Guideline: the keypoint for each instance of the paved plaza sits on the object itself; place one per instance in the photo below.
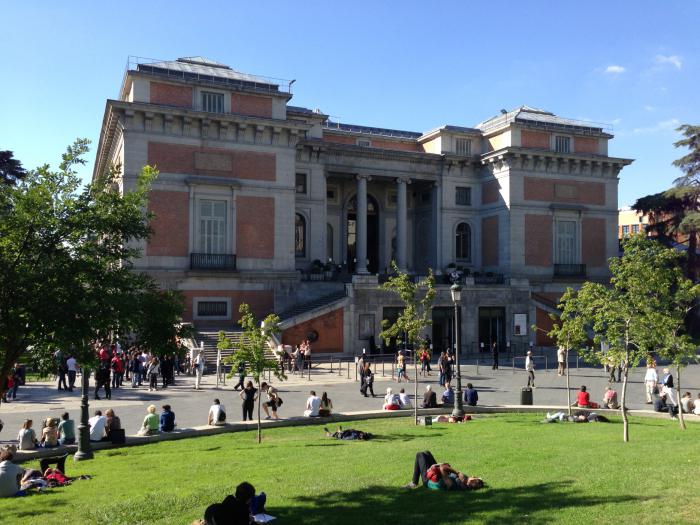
(39, 400)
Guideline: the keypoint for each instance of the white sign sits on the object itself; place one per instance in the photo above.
(519, 324)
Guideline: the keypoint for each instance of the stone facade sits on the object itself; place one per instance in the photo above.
(272, 204)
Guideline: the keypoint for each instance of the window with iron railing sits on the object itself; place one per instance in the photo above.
(463, 147)
(463, 196)
(212, 309)
(566, 240)
(212, 226)
(212, 102)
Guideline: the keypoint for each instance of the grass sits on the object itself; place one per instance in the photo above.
(557, 473)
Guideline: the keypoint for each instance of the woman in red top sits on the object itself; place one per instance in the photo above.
(583, 400)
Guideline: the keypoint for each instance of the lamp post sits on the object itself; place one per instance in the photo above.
(84, 448)
(458, 410)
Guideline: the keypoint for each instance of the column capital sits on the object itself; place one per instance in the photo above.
(360, 176)
(403, 180)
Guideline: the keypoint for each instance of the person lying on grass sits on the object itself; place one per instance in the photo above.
(440, 476)
(349, 434)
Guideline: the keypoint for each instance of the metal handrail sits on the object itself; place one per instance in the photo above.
(213, 261)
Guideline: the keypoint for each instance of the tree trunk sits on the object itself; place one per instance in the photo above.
(681, 421)
(623, 407)
(692, 256)
(259, 402)
(568, 384)
(415, 387)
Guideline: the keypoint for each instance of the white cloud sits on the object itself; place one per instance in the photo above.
(674, 60)
(649, 107)
(614, 70)
(659, 127)
(615, 121)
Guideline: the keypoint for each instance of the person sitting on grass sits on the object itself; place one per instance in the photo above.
(313, 405)
(150, 422)
(440, 476)
(10, 475)
(167, 419)
(448, 396)
(687, 403)
(217, 414)
(27, 437)
(696, 406)
(49, 435)
(429, 398)
(404, 399)
(583, 398)
(326, 405)
(98, 424)
(66, 430)
(234, 510)
(471, 396)
(610, 398)
(391, 401)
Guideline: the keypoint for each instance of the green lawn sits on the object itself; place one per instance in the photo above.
(557, 473)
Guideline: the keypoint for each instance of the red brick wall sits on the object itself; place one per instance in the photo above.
(586, 145)
(170, 95)
(261, 302)
(329, 328)
(593, 242)
(544, 324)
(375, 142)
(176, 158)
(490, 192)
(534, 139)
(170, 225)
(540, 189)
(255, 227)
(251, 105)
(489, 241)
(538, 240)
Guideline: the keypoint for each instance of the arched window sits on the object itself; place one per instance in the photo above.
(329, 242)
(463, 242)
(299, 235)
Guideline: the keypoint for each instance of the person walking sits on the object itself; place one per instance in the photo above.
(249, 395)
(561, 361)
(198, 370)
(62, 370)
(152, 373)
(651, 381)
(530, 368)
(494, 355)
(241, 376)
(72, 367)
(367, 381)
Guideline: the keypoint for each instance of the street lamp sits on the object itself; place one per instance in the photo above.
(84, 448)
(456, 291)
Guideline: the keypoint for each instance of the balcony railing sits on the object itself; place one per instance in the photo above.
(213, 261)
(495, 278)
(569, 270)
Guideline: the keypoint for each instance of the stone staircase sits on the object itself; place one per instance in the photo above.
(303, 308)
(210, 338)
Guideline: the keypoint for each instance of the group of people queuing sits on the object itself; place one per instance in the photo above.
(294, 358)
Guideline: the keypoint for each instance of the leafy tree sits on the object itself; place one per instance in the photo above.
(66, 277)
(626, 314)
(156, 322)
(251, 350)
(11, 169)
(569, 331)
(414, 318)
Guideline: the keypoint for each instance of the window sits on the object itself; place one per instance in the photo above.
(301, 183)
(463, 196)
(463, 147)
(463, 242)
(330, 195)
(212, 309)
(625, 230)
(212, 226)
(329, 242)
(364, 143)
(212, 102)
(566, 242)
(635, 228)
(562, 144)
(299, 235)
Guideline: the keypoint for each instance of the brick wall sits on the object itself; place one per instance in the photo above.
(489, 241)
(170, 224)
(490, 192)
(177, 158)
(559, 190)
(538, 240)
(261, 302)
(255, 227)
(251, 105)
(329, 328)
(170, 95)
(534, 139)
(544, 324)
(593, 242)
(586, 145)
(375, 142)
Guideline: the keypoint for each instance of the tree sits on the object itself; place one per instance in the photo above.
(251, 350)
(11, 170)
(569, 331)
(414, 318)
(156, 322)
(625, 315)
(66, 277)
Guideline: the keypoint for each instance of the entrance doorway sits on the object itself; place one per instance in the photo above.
(372, 235)
(443, 329)
(492, 327)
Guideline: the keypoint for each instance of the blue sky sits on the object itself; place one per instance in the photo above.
(405, 65)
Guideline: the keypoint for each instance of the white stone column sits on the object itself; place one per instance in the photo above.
(361, 226)
(401, 222)
(436, 205)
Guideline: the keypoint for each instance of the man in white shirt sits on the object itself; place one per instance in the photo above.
(561, 361)
(97, 426)
(72, 366)
(313, 405)
(217, 414)
(404, 399)
(198, 370)
(651, 379)
(530, 368)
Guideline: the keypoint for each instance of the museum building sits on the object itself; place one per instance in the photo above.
(281, 207)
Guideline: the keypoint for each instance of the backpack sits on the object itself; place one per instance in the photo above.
(222, 416)
(279, 401)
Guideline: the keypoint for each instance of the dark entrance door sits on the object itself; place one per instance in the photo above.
(372, 235)
(492, 327)
(443, 329)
